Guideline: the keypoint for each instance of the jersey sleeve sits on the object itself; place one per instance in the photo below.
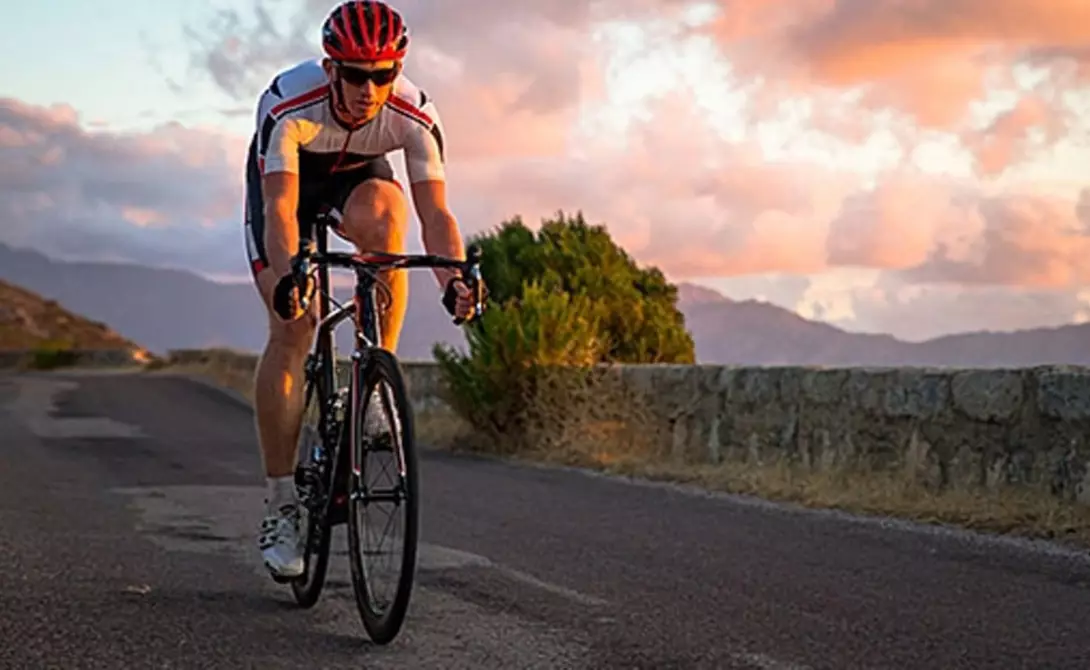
(280, 151)
(425, 148)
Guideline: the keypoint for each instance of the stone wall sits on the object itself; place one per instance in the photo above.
(949, 427)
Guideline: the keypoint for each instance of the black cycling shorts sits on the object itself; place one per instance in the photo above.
(332, 190)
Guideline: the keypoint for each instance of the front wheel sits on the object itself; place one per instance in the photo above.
(382, 444)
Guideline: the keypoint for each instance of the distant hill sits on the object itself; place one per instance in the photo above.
(756, 333)
(172, 309)
(29, 321)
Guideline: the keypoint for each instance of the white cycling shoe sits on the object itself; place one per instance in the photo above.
(281, 542)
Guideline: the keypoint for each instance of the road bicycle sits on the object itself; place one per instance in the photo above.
(333, 447)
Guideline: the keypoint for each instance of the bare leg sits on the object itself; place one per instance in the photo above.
(278, 396)
(278, 386)
(376, 219)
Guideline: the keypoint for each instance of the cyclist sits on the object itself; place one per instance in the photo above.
(323, 129)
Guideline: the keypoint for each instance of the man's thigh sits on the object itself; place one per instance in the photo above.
(365, 186)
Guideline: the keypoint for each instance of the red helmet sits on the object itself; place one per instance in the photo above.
(361, 30)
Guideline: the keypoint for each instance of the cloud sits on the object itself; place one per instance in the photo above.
(894, 226)
(798, 139)
(529, 69)
(988, 73)
(937, 232)
(898, 31)
(1026, 241)
(170, 196)
(919, 312)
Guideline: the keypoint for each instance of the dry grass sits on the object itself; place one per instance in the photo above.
(442, 428)
(619, 434)
(1019, 512)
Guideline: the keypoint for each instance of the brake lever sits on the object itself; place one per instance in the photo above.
(300, 273)
(471, 270)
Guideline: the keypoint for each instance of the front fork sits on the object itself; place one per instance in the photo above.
(312, 476)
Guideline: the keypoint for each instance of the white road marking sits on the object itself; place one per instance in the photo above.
(444, 632)
(223, 520)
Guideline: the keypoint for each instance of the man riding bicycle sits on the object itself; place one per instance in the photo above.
(323, 130)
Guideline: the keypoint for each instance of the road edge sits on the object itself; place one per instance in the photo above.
(235, 397)
(945, 531)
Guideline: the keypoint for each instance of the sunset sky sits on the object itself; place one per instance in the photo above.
(917, 167)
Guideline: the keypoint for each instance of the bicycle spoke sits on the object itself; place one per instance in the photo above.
(383, 542)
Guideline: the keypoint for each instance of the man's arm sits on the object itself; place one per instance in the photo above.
(280, 187)
(281, 191)
(438, 227)
(425, 162)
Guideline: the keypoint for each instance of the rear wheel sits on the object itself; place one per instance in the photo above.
(312, 477)
(382, 596)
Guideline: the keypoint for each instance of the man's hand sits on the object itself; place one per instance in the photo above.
(459, 299)
(287, 299)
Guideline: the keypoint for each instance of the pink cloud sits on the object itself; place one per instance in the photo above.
(1008, 139)
(512, 80)
(172, 195)
(930, 60)
(893, 227)
(859, 41)
(934, 232)
(918, 312)
(1027, 241)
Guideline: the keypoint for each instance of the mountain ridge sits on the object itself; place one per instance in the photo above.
(164, 308)
(29, 321)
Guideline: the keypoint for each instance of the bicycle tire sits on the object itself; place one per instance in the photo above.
(379, 365)
(319, 532)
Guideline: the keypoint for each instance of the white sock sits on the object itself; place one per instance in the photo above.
(279, 491)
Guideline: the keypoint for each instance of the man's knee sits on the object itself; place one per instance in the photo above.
(294, 336)
(376, 215)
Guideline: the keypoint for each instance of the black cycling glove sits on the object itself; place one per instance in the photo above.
(450, 294)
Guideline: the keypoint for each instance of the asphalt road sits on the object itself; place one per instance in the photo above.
(128, 506)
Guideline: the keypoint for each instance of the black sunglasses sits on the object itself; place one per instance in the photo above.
(359, 77)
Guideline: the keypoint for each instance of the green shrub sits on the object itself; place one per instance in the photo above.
(639, 320)
(565, 305)
(53, 354)
(524, 357)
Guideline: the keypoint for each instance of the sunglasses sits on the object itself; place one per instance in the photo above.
(360, 77)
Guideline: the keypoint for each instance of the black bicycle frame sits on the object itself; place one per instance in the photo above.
(367, 334)
(314, 248)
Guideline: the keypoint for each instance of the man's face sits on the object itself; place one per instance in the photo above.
(365, 85)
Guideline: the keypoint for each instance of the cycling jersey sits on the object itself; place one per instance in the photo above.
(298, 132)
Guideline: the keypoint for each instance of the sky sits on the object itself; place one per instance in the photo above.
(916, 167)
